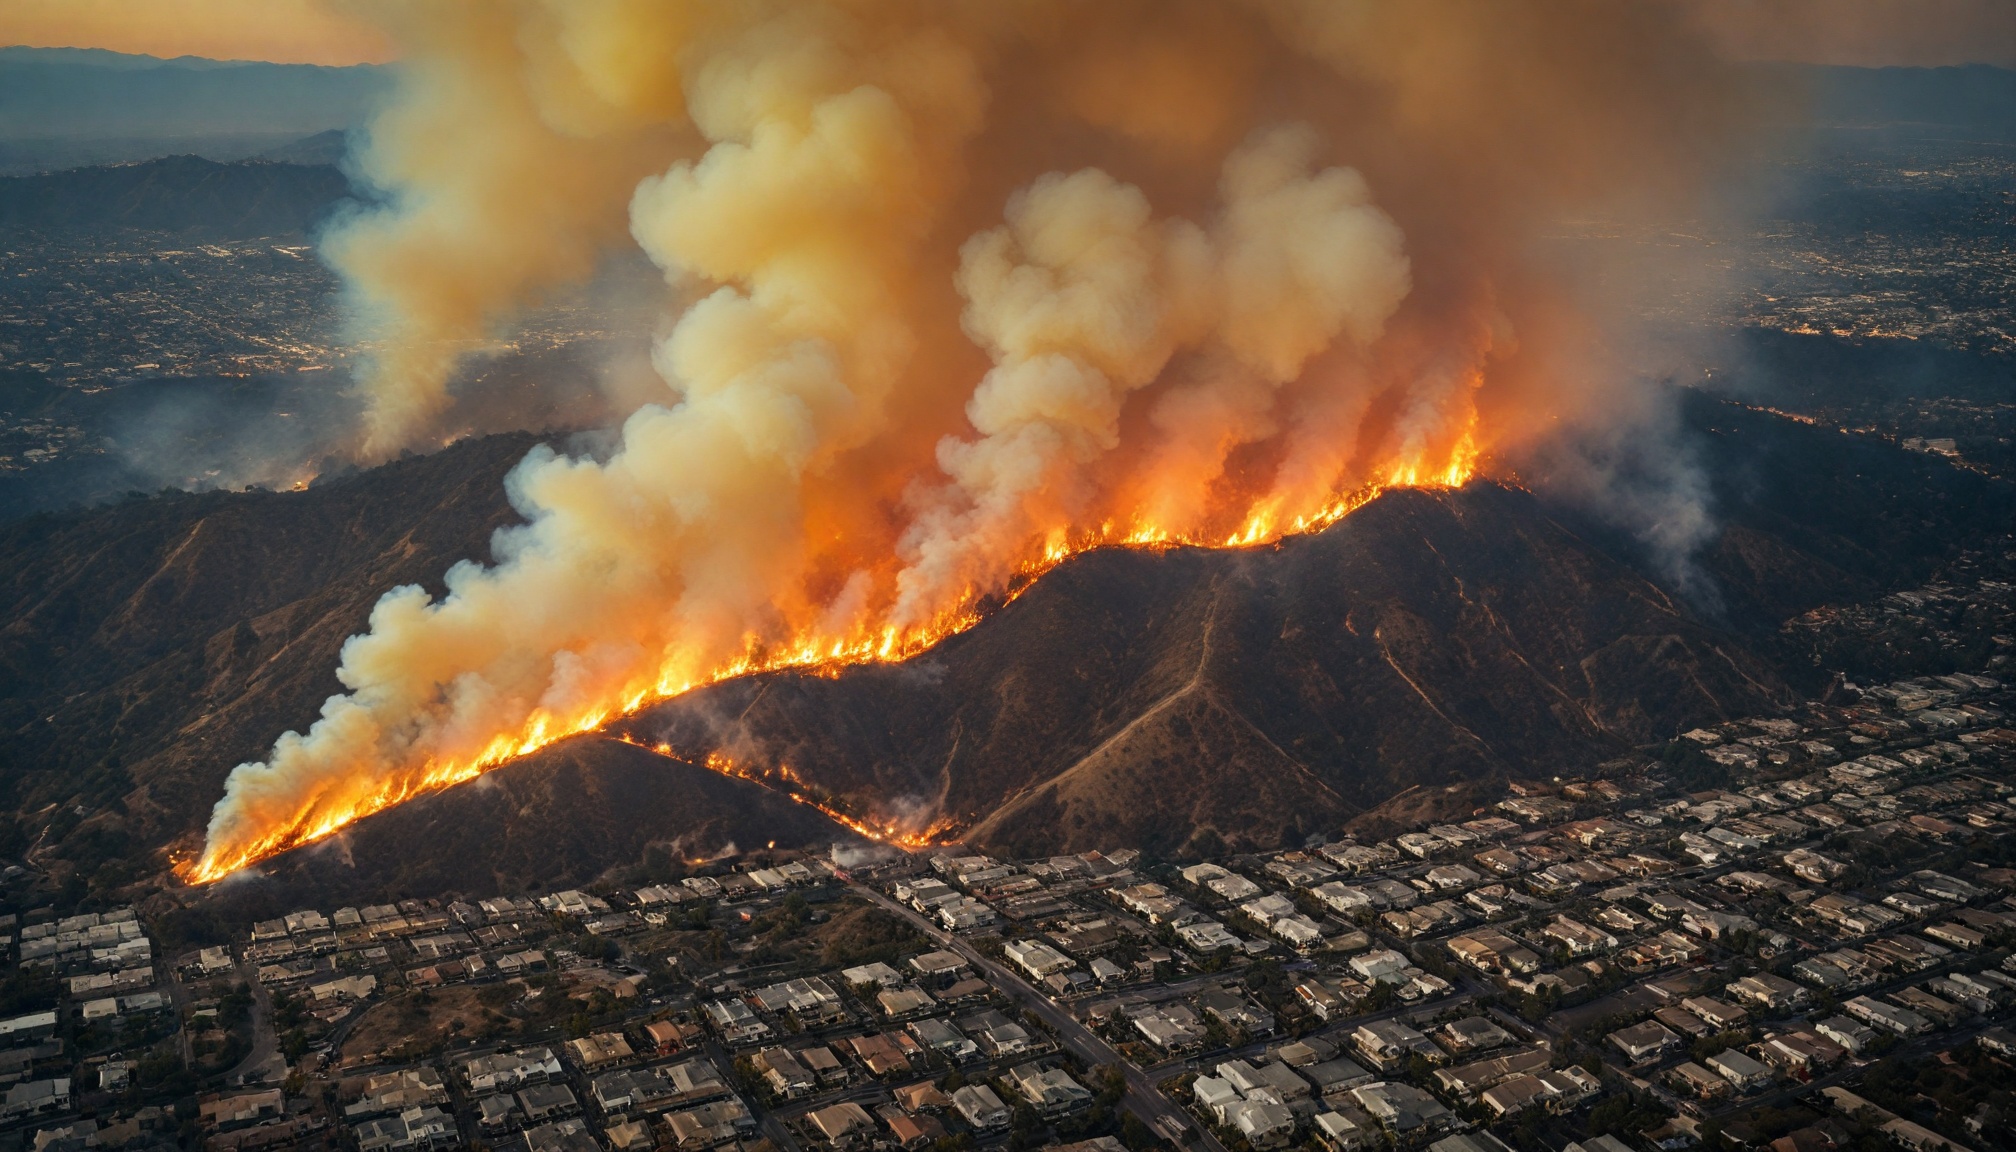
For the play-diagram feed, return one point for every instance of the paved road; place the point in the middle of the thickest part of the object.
(178, 995)
(1142, 1097)
(771, 1124)
(265, 1042)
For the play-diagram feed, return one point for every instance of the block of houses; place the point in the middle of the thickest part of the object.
(811, 999)
(1494, 952)
(1388, 1044)
(1467, 1081)
(1958, 935)
(1889, 1017)
(709, 1125)
(600, 1050)
(1472, 1034)
(1402, 1109)
(998, 1035)
(941, 1037)
(1578, 938)
(1851, 1035)
(1036, 958)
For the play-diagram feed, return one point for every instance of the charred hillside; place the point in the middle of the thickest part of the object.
(1431, 637)
(1153, 697)
(149, 646)
(556, 819)
(1160, 698)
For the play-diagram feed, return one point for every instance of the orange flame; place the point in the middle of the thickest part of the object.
(826, 655)
(780, 778)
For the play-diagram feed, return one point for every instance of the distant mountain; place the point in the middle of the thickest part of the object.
(322, 148)
(55, 93)
(247, 198)
(1977, 98)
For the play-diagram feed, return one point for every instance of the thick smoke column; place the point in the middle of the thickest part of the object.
(951, 290)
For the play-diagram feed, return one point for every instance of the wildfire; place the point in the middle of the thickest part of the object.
(820, 655)
(781, 779)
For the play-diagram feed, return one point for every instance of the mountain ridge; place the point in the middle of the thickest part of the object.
(173, 193)
(1130, 696)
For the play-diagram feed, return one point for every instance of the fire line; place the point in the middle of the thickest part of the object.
(820, 656)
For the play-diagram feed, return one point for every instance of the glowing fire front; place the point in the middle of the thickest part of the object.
(950, 293)
(332, 811)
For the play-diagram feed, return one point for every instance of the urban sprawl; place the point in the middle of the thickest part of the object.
(1793, 931)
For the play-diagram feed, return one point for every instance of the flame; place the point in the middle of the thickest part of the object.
(781, 779)
(828, 655)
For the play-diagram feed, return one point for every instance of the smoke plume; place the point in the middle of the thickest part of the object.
(951, 290)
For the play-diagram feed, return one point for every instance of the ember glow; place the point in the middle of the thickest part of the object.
(818, 655)
(952, 293)
(781, 779)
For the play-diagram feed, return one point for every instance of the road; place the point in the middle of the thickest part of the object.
(265, 1042)
(178, 995)
(1142, 1098)
(771, 1123)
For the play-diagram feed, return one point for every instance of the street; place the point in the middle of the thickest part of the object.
(1142, 1098)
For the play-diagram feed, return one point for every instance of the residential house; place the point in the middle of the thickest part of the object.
(979, 1106)
(1763, 990)
(783, 1073)
(734, 1022)
(1578, 938)
(842, 1125)
(1743, 1072)
(1390, 1043)
(1719, 1014)
(1695, 1080)
(600, 1050)
(1403, 1109)
(1050, 1091)
(1901, 1021)
(1851, 1035)
(1644, 1041)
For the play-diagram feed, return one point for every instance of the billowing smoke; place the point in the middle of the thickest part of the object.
(951, 289)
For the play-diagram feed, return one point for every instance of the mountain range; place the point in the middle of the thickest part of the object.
(173, 193)
(1172, 699)
(61, 107)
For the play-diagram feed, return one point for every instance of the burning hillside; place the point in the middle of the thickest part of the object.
(952, 293)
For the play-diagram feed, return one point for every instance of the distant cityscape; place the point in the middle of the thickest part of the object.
(96, 310)
(1866, 265)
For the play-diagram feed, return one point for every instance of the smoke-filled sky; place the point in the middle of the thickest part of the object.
(947, 290)
(1866, 33)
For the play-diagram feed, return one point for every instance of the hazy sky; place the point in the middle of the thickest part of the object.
(285, 31)
(1871, 33)
(1864, 32)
